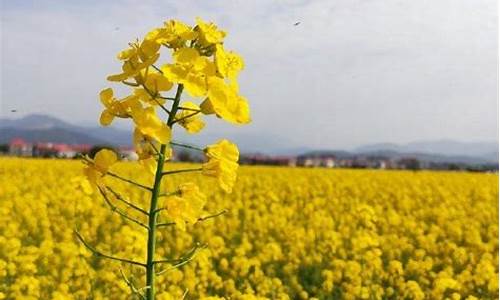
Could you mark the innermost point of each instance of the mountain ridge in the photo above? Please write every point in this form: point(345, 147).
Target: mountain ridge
point(48, 125)
point(441, 146)
point(39, 127)
point(52, 135)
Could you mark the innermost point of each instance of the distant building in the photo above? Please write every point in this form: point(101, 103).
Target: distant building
point(59, 150)
point(408, 163)
point(19, 147)
point(326, 161)
point(261, 159)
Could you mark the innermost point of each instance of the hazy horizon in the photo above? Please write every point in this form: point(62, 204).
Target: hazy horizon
point(350, 74)
point(275, 145)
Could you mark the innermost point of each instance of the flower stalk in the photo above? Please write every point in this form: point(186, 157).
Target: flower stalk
point(153, 213)
point(201, 66)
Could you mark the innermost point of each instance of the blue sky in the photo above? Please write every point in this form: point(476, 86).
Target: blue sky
point(352, 73)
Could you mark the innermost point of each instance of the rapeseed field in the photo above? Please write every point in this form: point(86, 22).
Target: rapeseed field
point(283, 233)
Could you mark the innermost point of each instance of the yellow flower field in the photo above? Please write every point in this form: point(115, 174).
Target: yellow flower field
point(289, 233)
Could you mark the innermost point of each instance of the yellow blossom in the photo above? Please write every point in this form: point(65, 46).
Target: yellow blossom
point(187, 207)
point(146, 98)
point(116, 108)
point(275, 215)
point(99, 166)
point(146, 149)
point(104, 159)
point(189, 119)
point(156, 82)
point(209, 33)
point(191, 70)
point(136, 58)
point(229, 64)
point(224, 101)
point(222, 163)
point(174, 34)
point(150, 125)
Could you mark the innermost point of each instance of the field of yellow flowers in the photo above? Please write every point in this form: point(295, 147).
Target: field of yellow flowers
point(288, 233)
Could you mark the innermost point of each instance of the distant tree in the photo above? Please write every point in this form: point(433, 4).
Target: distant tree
point(4, 148)
point(413, 164)
point(410, 164)
point(454, 167)
point(184, 156)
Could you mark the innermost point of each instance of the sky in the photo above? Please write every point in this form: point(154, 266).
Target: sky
point(351, 73)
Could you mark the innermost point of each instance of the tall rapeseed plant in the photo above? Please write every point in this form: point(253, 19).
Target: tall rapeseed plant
point(202, 67)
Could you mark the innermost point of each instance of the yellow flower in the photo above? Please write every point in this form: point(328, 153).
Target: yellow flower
point(442, 284)
point(116, 108)
point(144, 51)
point(225, 103)
point(99, 166)
point(222, 163)
point(148, 50)
point(326, 206)
point(191, 70)
point(104, 159)
point(107, 99)
point(189, 119)
point(127, 54)
point(145, 97)
point(136, 58)
point(156, 82)
point(150, 125)
point(150, 164)
point(93, 176)
point(187, 207)
point(412, 290)
point(209, 33)
point(229, 64)
point(174, 34)
point(144, 147)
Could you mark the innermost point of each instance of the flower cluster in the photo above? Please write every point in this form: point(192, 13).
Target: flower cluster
point(200, 65)
point(288, 234)
point(99, 166)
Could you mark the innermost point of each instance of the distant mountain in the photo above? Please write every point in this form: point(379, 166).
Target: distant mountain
point(37, 127)
point(341, 154)
point(111, 135)
point(35, 121)
point(263, 143)
point(452, 147)
point(54, 135)
point(45, 128)
point(486, 151)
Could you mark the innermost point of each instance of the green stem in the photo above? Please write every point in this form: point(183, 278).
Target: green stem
point(153, 213)
point(175, 105)
point(186, 146)
point(182, 171)
point(199, 219)
point(100, 254)
point(186, 117)
point(129, 181)
point(157, 69)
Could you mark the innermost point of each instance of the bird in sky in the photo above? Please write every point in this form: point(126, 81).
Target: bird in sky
point(13, 110)
point(296, 24)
